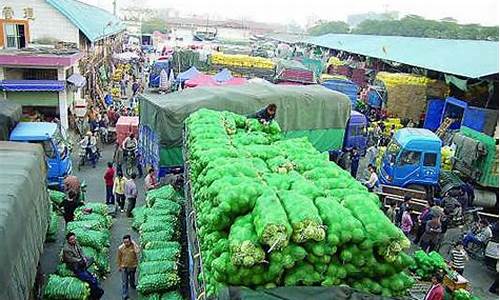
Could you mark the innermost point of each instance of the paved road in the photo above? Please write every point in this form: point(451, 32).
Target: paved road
point(121, 226)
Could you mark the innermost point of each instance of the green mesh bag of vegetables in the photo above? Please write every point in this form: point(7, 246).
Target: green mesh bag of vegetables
point(167, 205)
point(56, 197)
point(171, 253)
point(157, 283)
point(152, 225)
point(94, 207)
point(96, 224)
point(302, 274)
point(171, 296)
point(164, 192)
point(139, 216)
point(304, 217)
point(66, 288)
point(244, 243)
point(167, 234)
point(161, 245)
point(342, 226)
point(53, 227)
point(157, 266)
point(154, 296)
point(92, 238)
point(271, 222)
point(105, 220)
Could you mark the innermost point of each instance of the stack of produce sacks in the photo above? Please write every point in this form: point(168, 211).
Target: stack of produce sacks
point(92, 229)
point(407, 93)
point(158, 225)
point(243, 61)
point(56, 199)
point(273, 212)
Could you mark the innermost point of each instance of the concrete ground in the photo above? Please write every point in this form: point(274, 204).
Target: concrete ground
point(121, 226)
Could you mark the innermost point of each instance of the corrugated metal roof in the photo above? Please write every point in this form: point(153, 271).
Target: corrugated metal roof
point(469, 58)
point(91, 20)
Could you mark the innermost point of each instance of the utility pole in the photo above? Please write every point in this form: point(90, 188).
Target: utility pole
point(114, 7)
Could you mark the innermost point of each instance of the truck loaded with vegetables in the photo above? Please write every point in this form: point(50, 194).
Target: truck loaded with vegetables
point(276, 212)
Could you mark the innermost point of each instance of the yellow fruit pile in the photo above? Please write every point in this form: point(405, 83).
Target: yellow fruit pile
point(120, 70)
point(334, 61)
point(446, 155)
point(115, 92)
point(392, 79)
point(392, 121)
point(238, 60)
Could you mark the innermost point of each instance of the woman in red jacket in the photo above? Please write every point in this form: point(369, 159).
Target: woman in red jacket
point(436, 292)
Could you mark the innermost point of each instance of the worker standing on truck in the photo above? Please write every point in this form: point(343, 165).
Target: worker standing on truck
point(266, 115)
point(72, 256)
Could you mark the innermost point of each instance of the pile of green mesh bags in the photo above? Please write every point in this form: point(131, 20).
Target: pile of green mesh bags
point(276, 212)
point(66, 288)
point(53, 228)
point(158, 226)
point(91, 226)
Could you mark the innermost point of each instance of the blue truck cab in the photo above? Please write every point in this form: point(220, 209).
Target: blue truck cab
point(413, 157)
point(356, 133)
point(56, 152)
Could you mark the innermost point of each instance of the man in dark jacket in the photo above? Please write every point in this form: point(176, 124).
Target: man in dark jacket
point(72, 256)
point(265, 115)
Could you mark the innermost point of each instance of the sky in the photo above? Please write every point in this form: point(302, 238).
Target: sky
point(485, 12)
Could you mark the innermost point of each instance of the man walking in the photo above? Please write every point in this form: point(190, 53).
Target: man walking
point(119, 190)
point(109, 181)
point(131, 193)
point(128, 256)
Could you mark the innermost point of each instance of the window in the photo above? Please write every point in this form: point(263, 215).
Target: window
point(410, 158)
point(14, 36)
point(47, 148)
point(39, 74)
point(430, 159)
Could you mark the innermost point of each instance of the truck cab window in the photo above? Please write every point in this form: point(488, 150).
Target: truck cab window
point(430, 159)
point(410, 158)
point(49, 149)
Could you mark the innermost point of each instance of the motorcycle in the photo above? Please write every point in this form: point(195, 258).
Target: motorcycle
point(130, 162)
point(86, 156)
point(106, 136)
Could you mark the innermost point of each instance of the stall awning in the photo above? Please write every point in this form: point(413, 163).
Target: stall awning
point(32, 85)
point(77, 80)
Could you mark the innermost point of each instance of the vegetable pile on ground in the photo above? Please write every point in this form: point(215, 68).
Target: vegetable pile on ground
point(158, 226)
point(427, 265)
point(91, 226)
point(273, 212)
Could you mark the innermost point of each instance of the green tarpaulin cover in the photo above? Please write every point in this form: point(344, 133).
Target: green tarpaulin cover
point(299, 107)
point(24, 217)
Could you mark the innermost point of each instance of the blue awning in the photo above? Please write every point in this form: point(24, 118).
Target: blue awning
point(32, 85)
point(77, 80)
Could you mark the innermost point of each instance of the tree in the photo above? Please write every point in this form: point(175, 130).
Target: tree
point(155, 24)
point(416, 26)
point(329, 27)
